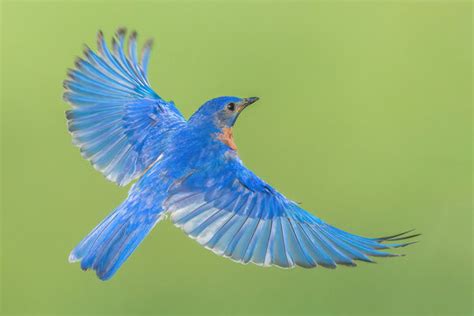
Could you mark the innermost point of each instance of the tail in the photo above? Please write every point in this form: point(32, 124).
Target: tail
point(111, 242)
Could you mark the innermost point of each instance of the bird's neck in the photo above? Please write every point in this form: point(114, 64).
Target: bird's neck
point(226, 137)
point(213, 135)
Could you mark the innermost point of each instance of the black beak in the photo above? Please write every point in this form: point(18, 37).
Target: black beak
point(246, 102)
point(251, 100)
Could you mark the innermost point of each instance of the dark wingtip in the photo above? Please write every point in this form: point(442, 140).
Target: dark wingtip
point(120, 34)
point(396, 235)
point(406, 244)
point(66, 96)
point(121, 31)
point(86, 50)
point(367, 259)
point(78, 62)
point(69, 115)
point(328, 266)
point(100, 36)
point(351, 264)
point(400, 236)
point(405, 237)
point(148, 44)
point(70, 74)
point(100, 39)
point(66, 84)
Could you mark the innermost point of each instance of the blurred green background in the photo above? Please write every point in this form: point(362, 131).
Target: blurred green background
point(365, 117)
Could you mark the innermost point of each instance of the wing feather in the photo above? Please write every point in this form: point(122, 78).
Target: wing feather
point(241, 217)
point(119, 123)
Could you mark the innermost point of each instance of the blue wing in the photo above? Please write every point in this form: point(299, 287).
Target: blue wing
point(119, 123)
point(235, 214)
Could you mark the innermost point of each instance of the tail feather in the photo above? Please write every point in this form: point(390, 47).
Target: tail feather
point(110, 244)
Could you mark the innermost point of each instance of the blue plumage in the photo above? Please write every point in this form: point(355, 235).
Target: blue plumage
point(189, 170)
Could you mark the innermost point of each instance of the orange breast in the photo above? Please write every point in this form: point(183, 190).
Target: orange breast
point(227, 138)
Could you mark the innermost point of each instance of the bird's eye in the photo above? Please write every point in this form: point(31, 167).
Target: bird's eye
point(231, 106)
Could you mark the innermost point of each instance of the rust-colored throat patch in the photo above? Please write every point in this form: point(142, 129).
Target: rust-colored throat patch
point(227, 138)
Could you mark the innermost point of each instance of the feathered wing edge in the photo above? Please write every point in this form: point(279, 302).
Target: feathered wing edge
point(268, 230)
point(113, 107)
point(116, 74)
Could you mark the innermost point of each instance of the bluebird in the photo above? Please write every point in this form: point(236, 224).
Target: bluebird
point(188, 170)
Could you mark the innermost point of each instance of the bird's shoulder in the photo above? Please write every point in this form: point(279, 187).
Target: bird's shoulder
point(234, 167)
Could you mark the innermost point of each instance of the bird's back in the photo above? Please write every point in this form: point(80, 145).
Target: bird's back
point(190, 148)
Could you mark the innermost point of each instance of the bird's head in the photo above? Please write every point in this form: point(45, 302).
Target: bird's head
point(217, 116)
point(222, 112)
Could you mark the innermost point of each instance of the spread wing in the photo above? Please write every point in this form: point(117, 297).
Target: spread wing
point(235, 214)
point(119, 123)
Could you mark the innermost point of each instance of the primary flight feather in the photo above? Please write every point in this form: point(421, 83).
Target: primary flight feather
point(188, 169)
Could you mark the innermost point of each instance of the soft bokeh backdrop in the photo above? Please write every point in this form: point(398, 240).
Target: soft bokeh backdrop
point(365, 117)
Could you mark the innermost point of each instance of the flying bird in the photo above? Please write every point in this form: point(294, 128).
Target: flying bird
point(189, 170)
